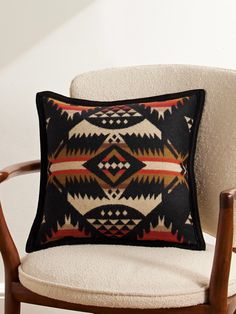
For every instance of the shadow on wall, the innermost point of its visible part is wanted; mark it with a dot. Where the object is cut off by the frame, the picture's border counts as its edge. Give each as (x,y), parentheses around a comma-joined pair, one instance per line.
(24,23)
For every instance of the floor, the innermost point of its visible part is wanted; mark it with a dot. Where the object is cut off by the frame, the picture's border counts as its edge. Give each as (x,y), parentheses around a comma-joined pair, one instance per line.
(33,309)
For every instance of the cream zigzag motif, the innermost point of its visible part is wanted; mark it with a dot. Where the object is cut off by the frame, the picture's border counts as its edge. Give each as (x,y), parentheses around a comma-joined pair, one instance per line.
(189,122)
(67,224)
(111,113)
(162,108)
(70,113)
(115,193)
(162,111)
(143,204)
(114,139)
(143,128)
(161,226)
(189,220)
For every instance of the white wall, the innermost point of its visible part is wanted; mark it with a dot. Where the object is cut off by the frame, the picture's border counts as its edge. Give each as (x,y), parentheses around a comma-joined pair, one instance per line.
(44,44)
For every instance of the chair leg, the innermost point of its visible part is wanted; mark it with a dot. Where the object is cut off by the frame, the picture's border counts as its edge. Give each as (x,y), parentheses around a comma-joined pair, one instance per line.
(11,305)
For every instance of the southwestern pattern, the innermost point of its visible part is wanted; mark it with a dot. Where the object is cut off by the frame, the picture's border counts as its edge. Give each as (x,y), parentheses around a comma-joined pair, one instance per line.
(118,172)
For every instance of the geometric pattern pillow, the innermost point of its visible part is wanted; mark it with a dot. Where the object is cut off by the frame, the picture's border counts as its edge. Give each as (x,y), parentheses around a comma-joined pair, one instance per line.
(118,172)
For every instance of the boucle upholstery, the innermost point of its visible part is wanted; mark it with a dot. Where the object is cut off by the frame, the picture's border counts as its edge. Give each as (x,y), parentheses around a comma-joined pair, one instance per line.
(122,276)
(215,161)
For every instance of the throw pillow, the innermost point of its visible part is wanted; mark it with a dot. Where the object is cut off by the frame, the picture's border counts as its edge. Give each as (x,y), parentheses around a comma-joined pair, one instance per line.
(118,172)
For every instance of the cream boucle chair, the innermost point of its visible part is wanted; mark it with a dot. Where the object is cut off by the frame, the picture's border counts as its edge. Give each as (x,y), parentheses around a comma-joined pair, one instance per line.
(122,279)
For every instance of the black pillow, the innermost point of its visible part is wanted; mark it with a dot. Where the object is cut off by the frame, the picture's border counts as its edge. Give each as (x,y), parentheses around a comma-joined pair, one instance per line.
(118,172)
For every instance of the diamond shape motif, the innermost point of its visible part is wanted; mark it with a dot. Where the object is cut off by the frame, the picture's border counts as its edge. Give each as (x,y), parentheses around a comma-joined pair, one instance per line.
(114,165)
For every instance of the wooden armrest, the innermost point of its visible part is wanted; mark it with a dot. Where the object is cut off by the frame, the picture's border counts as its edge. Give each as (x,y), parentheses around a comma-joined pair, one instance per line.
(218,288)
(8,249)
(19,169)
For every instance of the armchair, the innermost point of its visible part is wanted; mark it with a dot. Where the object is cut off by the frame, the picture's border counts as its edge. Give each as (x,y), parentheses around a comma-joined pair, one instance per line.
(194,281)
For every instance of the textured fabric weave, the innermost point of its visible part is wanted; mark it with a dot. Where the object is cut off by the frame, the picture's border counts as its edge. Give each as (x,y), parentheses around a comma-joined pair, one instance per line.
(122,276)
(118,172)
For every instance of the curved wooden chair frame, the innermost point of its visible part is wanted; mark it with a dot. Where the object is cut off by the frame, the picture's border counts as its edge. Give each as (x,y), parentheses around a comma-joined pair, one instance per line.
(218,302)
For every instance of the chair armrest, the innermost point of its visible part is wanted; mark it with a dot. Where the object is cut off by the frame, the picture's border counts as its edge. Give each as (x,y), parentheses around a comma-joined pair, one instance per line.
(8,249)
(218,288)
(19,169)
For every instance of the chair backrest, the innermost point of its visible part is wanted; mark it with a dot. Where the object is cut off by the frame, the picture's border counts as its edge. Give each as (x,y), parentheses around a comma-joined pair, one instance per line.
(215,160)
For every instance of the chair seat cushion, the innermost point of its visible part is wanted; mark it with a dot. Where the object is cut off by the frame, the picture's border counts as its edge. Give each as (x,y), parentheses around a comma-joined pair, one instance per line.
(122,276)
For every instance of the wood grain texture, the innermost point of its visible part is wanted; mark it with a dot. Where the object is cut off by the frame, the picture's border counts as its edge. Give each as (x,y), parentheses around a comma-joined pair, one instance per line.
(218,288)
